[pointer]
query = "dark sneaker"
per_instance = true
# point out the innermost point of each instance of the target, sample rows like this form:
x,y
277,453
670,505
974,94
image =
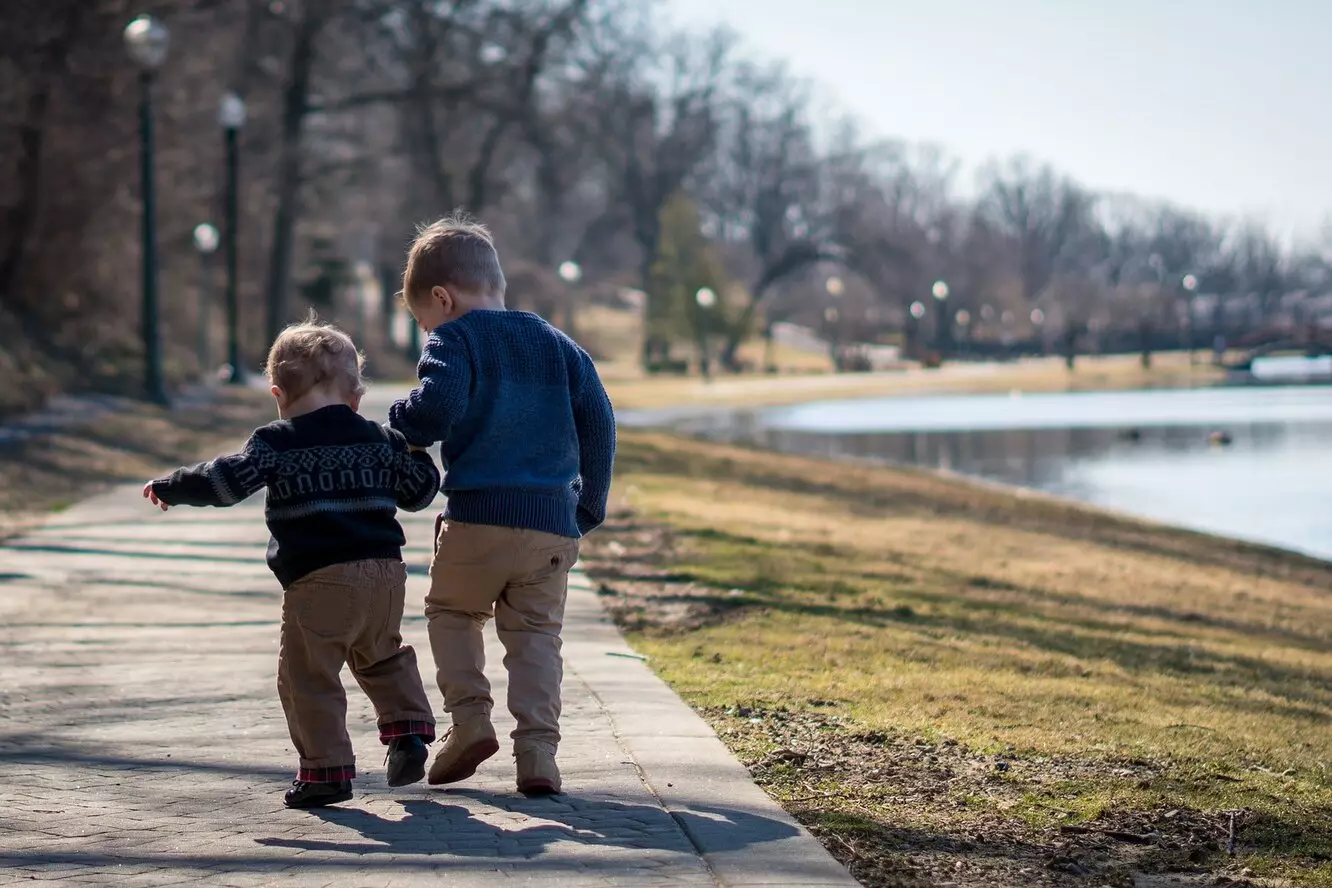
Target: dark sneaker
x,y
407,757
317,795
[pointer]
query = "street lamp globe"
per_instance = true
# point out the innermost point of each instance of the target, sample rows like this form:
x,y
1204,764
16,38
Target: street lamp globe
x,y
987,312
1007,317
231,112
830,314
206,238
147,40
1037,316
705,297
835,286
918,310
570,272
940,290
1190,282
963,317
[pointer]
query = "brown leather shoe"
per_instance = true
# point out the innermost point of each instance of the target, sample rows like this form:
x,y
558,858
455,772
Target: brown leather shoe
x,y
538,775
465,747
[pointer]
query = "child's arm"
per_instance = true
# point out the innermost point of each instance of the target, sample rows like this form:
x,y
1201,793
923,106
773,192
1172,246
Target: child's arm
x,y
418,478
224,481
429,412
594,419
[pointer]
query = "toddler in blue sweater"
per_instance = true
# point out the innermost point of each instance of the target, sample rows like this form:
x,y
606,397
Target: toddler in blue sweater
x,y
527,440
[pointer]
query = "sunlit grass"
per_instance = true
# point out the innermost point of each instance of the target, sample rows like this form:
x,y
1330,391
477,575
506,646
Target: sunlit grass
x,y
1016,626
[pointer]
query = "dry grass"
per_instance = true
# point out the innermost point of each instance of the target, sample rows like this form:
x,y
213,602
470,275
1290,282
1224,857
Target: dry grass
x,y
133,442
1035,375
948,681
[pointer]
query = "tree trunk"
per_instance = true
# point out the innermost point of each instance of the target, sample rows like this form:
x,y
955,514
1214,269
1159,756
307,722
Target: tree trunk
x,y
295,104
22,215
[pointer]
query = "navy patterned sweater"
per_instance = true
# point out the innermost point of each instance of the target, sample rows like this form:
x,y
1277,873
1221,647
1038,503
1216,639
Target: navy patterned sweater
x,y
335,482
527,432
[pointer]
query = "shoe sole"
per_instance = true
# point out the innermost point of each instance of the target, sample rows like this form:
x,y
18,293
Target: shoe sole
x,y
467,763
320,802
411,770
538,788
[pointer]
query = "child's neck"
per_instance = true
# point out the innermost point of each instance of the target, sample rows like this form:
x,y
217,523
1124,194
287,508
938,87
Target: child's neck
x,y
315,399
488,302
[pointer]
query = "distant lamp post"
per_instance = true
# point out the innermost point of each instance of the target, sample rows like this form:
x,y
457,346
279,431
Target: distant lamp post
x,y
231,117
706,299
835,286
1190,285
939,290
206,240
146,41
915,312
963,321
1037,317
571,273
833,328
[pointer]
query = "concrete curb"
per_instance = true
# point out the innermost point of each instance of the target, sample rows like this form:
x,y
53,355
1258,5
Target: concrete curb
x,y
744,836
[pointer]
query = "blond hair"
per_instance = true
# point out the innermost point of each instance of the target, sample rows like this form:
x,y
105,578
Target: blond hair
x,y
456,251
312,354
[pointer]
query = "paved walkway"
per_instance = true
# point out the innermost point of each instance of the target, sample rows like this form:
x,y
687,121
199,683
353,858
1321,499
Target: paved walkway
x,y
141,740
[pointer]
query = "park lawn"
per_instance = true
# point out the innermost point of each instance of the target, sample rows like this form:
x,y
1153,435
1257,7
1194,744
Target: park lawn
x,y
952,683
1116,372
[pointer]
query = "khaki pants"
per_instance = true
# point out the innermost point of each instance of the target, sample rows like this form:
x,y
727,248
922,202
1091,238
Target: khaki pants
x,y
347,613
521,578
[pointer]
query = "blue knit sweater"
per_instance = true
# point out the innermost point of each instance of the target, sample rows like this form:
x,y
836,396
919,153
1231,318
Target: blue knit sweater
x,y
527,432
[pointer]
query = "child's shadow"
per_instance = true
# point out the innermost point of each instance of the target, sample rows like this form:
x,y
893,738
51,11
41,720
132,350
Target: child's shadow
x,y
431,828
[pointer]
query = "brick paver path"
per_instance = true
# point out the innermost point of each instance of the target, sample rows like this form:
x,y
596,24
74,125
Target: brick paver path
x,y
141,740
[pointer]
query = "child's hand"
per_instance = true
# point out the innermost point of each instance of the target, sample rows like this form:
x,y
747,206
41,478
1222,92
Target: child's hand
x,y
149,495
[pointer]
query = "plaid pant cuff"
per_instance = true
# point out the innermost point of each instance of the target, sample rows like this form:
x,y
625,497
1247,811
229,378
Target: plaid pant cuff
x,y
410,728
335,774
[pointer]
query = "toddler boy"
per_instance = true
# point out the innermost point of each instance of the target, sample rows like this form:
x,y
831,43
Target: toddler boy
x,y
528,439
335,481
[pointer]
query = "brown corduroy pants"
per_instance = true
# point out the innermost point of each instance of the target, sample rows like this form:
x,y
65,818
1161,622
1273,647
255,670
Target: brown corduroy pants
x,y
347,613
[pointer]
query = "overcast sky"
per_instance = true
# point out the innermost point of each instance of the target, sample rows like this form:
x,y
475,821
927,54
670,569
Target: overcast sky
x,y
1224,106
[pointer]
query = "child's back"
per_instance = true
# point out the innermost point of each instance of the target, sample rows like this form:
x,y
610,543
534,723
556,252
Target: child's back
x,y
335,481
528,436
527,442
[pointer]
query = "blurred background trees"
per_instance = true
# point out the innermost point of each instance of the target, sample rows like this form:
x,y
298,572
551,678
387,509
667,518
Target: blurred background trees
x,y
659,163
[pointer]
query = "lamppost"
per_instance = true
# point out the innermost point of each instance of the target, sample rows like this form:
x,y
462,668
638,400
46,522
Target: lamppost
x,y
939,290
146,40
706,299
1190,285
963,320
231,117
1038,321
571,273
205,242
917,312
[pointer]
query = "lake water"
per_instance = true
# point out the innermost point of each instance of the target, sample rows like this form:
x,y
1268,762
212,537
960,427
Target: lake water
x,y
1251,463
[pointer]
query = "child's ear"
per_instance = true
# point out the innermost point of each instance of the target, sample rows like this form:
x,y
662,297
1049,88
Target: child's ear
x,y
278,394
444,297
